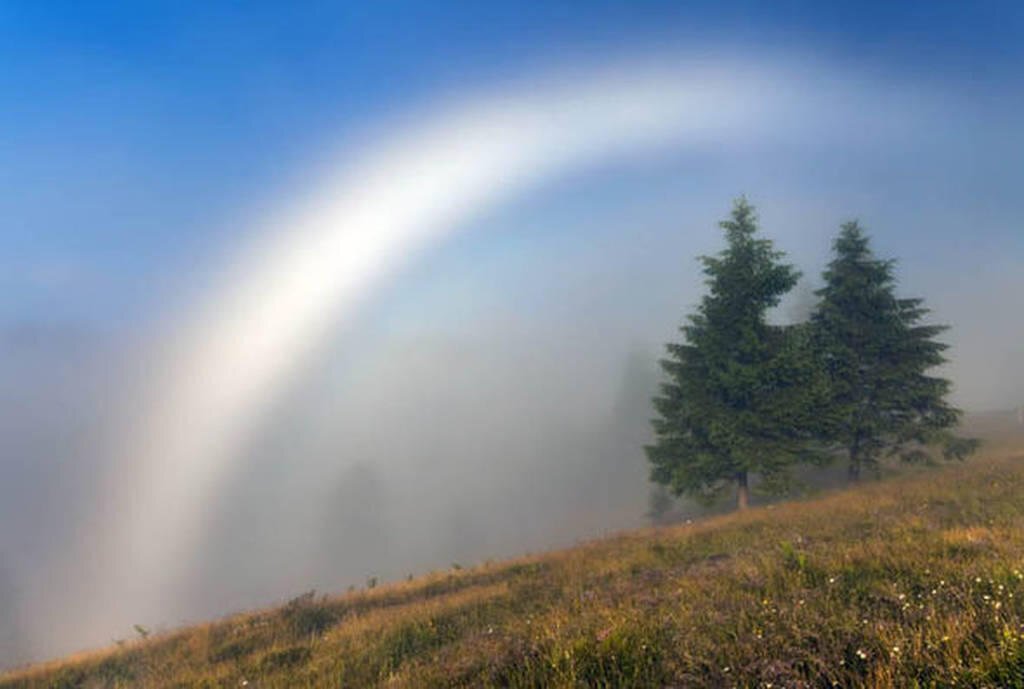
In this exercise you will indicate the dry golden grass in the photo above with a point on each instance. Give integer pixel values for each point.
(916, 581)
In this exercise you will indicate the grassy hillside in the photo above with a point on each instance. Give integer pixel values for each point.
(917, 581)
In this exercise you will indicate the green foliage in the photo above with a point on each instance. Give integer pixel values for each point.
(877, 354)
(793, 558)
(744, 397)
(740, 392)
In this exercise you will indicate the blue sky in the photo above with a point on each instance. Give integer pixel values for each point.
(178, 115)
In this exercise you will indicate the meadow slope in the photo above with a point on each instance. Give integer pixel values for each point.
(914, 581)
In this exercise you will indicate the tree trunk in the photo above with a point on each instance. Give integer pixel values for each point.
(853, 470)
(742, 491)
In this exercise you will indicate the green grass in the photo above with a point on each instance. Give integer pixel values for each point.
(912, 582)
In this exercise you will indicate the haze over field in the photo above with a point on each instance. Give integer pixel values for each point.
(276, 319)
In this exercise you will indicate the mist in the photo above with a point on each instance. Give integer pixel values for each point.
(487, 394)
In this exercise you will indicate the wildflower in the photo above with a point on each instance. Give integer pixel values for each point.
(861, 654)
(895, 649)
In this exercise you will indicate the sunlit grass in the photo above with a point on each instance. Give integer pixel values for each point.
(917, 581)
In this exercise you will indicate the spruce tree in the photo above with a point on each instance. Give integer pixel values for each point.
(737, 398)
(877, 353)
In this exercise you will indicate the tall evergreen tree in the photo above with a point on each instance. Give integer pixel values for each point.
(737, 394)
(877, 354)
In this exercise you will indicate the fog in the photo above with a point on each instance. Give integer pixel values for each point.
(488, 394)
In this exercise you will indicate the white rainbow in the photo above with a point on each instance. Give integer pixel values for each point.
(318, 261)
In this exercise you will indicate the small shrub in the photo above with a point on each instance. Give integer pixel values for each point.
(306, 617)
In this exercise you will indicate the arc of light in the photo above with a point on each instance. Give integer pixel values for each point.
(321, 259)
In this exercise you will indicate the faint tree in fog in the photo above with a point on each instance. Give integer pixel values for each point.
(877, 353)
(615, 474)
(661, 506)
(357, 526)
(740, 391)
